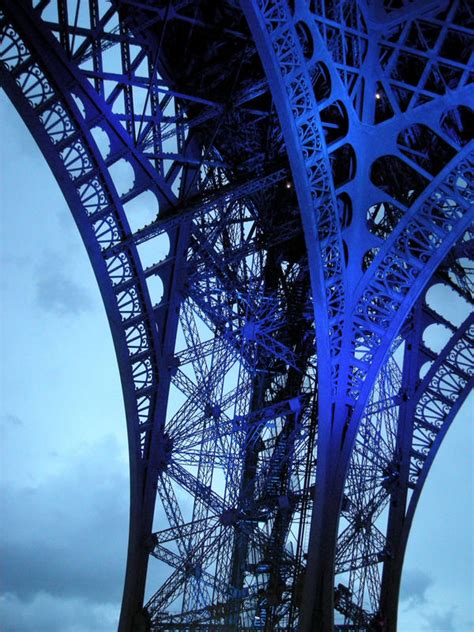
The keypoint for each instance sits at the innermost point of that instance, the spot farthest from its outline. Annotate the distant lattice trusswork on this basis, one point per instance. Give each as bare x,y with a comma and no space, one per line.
273,195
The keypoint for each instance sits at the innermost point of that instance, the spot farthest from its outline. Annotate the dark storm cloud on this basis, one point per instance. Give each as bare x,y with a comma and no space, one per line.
67,536
56,292
414,586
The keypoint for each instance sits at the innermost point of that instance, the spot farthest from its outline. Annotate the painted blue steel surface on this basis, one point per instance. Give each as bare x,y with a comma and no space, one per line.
310,164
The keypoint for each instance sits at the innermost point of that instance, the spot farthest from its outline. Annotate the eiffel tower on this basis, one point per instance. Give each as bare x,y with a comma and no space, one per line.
269,192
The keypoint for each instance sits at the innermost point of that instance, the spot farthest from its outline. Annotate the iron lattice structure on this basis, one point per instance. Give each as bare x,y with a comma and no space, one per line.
268,192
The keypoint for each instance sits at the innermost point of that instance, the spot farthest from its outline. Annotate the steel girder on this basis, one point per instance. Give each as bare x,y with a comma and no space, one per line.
368,106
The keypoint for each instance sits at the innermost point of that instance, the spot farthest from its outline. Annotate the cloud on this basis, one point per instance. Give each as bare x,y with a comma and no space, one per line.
60,571
13,259
438,622
57,292
414,586
64,544
65,540
45,613
9,420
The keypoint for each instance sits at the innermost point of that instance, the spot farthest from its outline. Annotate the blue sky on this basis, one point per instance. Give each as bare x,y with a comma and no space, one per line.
64,470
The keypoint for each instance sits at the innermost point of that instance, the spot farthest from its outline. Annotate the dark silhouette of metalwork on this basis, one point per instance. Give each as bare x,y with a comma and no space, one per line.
267,191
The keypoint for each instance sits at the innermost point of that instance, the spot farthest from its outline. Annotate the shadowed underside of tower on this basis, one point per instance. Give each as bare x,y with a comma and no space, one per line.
271,193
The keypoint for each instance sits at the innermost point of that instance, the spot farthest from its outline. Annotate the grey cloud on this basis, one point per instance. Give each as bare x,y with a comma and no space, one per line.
441,622
67,537
58,293
11,420
56,569
414,586
45,613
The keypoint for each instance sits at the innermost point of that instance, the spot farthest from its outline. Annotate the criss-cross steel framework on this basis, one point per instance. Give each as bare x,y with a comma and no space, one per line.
268,191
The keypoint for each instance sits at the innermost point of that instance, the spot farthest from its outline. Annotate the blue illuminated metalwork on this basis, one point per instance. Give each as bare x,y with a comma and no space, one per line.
267,191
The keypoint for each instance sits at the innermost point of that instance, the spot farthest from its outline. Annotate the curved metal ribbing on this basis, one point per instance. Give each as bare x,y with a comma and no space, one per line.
415,238
244,375
51,97
399,435
195,114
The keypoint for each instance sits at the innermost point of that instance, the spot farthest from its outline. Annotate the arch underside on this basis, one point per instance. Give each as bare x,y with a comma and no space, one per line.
264,265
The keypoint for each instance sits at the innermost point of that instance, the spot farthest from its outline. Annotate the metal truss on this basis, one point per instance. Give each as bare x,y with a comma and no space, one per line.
267,191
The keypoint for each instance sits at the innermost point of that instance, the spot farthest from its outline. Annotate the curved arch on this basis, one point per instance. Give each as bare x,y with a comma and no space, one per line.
383,296
400,433
237,286
291,85
439,398
89,190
